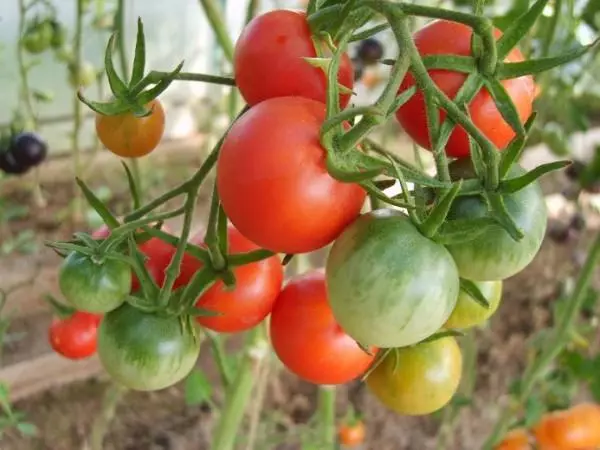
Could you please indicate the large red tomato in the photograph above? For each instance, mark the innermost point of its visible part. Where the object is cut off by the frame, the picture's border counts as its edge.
(256, 288)
(307, 338)
(444, 37)
(269, 60)
(273, 181)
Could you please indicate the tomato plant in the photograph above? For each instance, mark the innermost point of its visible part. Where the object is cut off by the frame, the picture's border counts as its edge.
(147, 351)
(307, 338)
(91, 286)
(420, 379)
(130, 136)
(468, 312)
(380, 295)
(275, 46)
(296, 205)
(446, 37)
(74, 337)
(352, 434)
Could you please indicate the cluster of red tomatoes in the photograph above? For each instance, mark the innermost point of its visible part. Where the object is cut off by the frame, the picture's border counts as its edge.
(572, 429)
(386, 287)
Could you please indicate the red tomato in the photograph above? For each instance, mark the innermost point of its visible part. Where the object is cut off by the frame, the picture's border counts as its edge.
(517, 439)
(158, 254)
(102, 232)
(269, 60)
(75, 336)
(352, 434)
(273, 182)
(574, 429)
(257, 286)
(307, 338)
(444, 37)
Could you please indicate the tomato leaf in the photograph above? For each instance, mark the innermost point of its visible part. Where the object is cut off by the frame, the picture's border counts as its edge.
(473, 291)
(139, 59)
(27, 429)
(463, 230)
(534, 410)
(99, 207)
(505, 105)
(197, 388)
(516, 184)
(513, 151)
(117, 86)
(519, 28)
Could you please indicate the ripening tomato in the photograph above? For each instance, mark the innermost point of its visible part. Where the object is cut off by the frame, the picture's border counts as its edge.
(468, 313)
(418, 380)
(517, 439)
(147, 351)
(307, 338)
(444, 37)
(577, 428)
(273, 181)
(352, 434)
(129, 136)
(269, 60)
(388, 285)
(256, 288)
(75, 336)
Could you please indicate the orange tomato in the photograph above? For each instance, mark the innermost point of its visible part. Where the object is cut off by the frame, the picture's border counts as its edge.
(352, 435)
(577, 428)
(517, 439)
(129, 136)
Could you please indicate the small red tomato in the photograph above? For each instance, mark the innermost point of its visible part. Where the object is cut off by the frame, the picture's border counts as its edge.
(273, 181)
(352, 435)
(75, 336)
(307, 338)
(517, 439)
(269, 60)
(452, 38)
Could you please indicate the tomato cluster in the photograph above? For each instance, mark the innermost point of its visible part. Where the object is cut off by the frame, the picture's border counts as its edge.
(23, 151)
(576, 428)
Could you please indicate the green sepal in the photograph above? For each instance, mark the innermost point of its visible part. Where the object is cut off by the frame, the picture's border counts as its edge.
(513, 185)
(335, 167)
(241, 259)
(228, 278)
(147, 283)
(463, 230)
(371, 189)
(117, 86)
(105, 108)
(193, 250)
(471, 289)
(195, 311)
(513, 152)
(86, 239)
(200, 283)
(69, 247)
(441, 335)
(59, 309)
(436, 218)
(519, 28)
(139, 59)
(362, 35)
(133, 189)
(401, 99)
(222, 231)
(102, 210)
(143, 304)
(287, 259)
(505, 105)
(150, 94)
(381, 355)
(499, 212)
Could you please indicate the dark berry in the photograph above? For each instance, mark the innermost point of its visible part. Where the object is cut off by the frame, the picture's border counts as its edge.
(9, 165)
(28, 149)
(370, 51)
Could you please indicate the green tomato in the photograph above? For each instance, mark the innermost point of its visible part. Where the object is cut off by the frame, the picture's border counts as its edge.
(38, 37)
(94, 287)
(494, 254)
(388, 285)
(84, 77)
(59, 35)
(147, 351)
(468, 313)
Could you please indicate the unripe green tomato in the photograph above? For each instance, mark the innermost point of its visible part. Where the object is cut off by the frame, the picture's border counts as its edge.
(468, 313)
(37, 37)
(59, 35)
(84, 77)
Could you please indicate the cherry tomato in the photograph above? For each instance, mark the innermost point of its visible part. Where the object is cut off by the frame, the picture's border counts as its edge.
(468, 313)
(75, 336)
(517, 439)
(307, 338)
(129, 136)
(418, 380)
(577, 428)
(28, 149)
(444, 37)
(83, 76)
(370, 51)
(38, 36)
(8, 164)
(352, 435)
(273, 47)
(158, 257)
(256, 288)
(273, 182)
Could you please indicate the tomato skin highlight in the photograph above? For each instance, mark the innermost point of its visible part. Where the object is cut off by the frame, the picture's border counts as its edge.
(74, 337)
(307, 338)
(256, 289)
(575, 429)
(388, 285)
(128, 136)
(352, 435)
(273, 47)
(426, 378)
(445, 37)
(494, 254)
(92, 287)
(146, 351)
(468, 313)
(273, 181)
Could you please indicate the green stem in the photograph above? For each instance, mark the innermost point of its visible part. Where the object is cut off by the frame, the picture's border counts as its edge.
(478, 7)
(259, 401)
(326, 413)
(252, 9)
(549, 38)
(113, 395)
(120, 29)
(216, 345)
(559, 340)
(155, 76)
(77, 112)
(240, 392)
(215, 18)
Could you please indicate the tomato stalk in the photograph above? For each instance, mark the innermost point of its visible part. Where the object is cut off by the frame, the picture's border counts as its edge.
(259, 401)
(561, 337)
(112, 397)
(326, 415)
(215, 19)
(216, 345)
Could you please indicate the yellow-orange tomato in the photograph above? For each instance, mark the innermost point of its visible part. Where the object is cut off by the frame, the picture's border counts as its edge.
(420, 379)
(468, 313)
(129, 136)
(517, 439)
(577, 428)
(352, 435)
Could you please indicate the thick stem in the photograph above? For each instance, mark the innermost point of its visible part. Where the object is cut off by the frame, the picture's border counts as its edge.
(560, 339)
(113, 395)
(215, 18)
(259, 401)
(216, 345)
(77, 112)
(326, 415)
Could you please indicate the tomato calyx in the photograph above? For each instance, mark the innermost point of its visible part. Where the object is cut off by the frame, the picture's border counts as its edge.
(60, 310)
